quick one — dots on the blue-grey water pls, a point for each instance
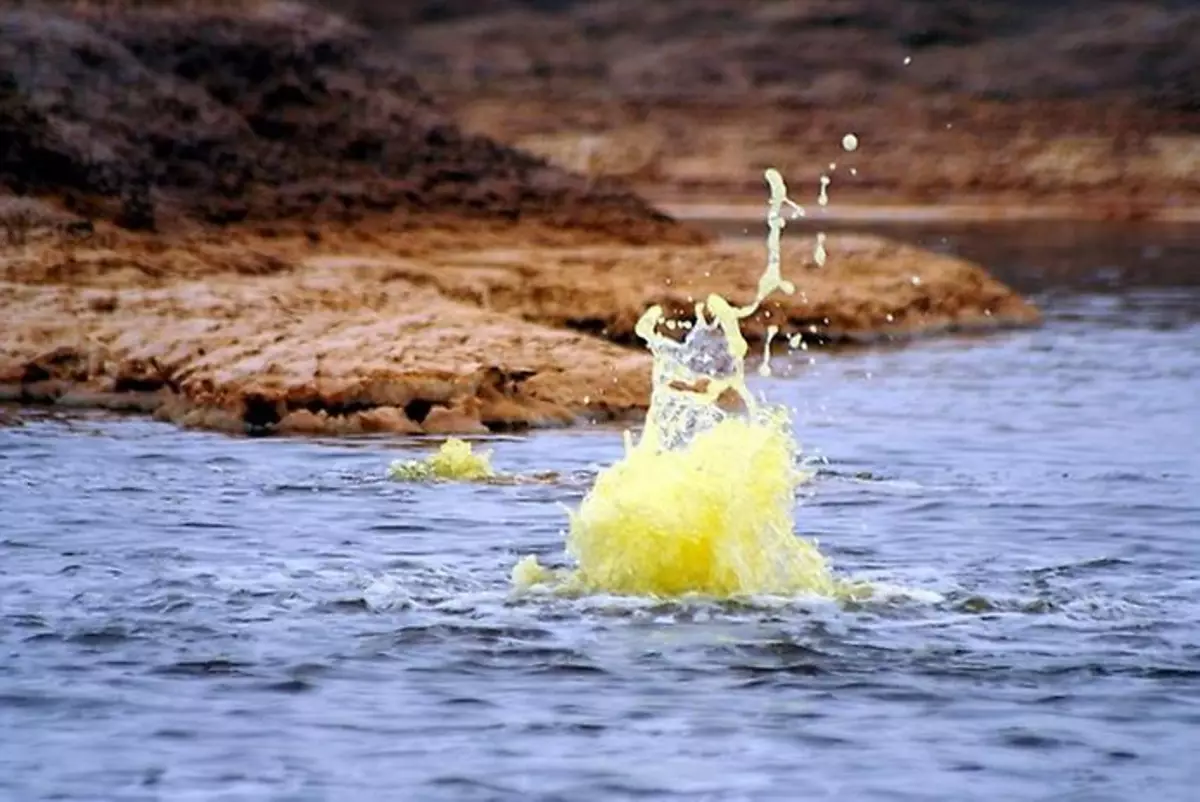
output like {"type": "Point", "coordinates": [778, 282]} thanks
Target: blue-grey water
{"type": "Point", "coordinates": [188, 616]}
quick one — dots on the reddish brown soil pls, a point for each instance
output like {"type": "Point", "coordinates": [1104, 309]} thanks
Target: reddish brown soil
{"type": "Point", "coordinates": [1087, 105]}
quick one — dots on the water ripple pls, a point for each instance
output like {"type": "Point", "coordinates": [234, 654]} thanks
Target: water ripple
{"type": "Point", "coordinates": [183, 615]}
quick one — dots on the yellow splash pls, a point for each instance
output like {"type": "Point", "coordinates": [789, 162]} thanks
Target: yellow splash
{"type": "Point", "coordinates": [454, 460]}
{"type": "Point", "coordinates": [703, 502]}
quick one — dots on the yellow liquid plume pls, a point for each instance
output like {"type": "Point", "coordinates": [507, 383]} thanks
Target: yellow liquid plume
{"type": "Point", "coordinates": [703, 502]}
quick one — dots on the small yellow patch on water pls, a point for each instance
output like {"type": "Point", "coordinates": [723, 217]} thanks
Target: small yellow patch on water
{"type": "Point", "coordinates": [454, 460]}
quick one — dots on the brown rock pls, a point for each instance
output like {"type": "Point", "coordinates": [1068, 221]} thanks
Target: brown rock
{"type": "Point", "coordinates": [302, 421]}
{"type": "Point", "coordinates": [457, 342]}
{"type": "Point", "coordinates": [391, 420]}
{"type": "Point", "coordinates": [463, 418]}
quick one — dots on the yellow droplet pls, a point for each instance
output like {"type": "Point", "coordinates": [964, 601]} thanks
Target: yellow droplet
{"type": "Point", "coordinates": [765, 368]}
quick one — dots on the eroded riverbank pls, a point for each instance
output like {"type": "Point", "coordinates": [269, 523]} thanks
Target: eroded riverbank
{"type": "Point", "coordinates": [277, 336]}
{"type": "Point", "coordinates": [312, 246]}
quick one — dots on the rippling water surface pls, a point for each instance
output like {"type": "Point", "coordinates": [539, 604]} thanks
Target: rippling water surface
{"type": "Point", "coordinates": [189, 616]}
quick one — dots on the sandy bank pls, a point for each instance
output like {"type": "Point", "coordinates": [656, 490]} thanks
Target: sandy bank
{"type": "Point", "coordinates": [276, 335]}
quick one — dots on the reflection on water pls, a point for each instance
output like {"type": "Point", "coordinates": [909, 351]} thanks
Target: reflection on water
{"type": "Point", "coordinates": [190, 616]}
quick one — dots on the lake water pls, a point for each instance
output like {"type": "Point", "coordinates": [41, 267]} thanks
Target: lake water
{"type": "Point", "coordinates": [187, 616]}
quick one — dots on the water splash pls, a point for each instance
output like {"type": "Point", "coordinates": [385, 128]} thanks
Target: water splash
{"type": "Point", "coordinates": [454, 460]}
{"type": "Point", "coordinates": [703, 502]}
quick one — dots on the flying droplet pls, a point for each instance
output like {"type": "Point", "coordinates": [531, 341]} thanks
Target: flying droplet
{"type": "Point", "coordinates": [765, 368]}
{"type": "Point", "coordinates": [849, 143]}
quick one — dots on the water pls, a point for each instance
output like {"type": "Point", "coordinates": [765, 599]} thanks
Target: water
{"type": "Point", "coordinates": [186, 616]}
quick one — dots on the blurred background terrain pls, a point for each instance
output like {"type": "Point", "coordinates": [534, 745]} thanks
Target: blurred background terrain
{"type": "Point", "coordinates": [815, 51]}
{"type": "Point", "coordinates": [1092, 103]}
{"type": "Point", "coordinates": [1091, 106]}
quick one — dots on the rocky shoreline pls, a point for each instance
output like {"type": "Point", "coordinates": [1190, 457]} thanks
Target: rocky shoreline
{"type": "Point", "coordinates": [273, 336]}
{"type": "Point", "coordinates": [254, 221]}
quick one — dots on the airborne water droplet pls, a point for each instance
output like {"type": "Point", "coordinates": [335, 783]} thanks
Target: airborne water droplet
{"type": "Point", "coordinates": [765, 368]}
{"type": "Point", "coordinates": [819, 253]}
